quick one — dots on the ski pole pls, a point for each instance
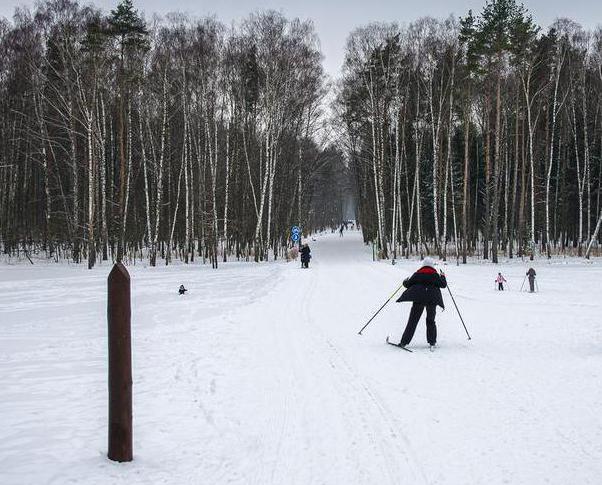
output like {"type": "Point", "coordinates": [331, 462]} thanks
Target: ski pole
{"type": "Point", "coordinates": [384, 304]}
{"type": "Point", "coordinates": [521, 286]}
{"type": "Point", "coordinates": [459, 314]}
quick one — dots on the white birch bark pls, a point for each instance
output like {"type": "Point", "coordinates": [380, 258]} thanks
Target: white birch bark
{"type": "Point", "coordinates": [159, 197]}
{"type": "Point", "coordinates": [128, 176]}
{"type": "Point", "coordinates": [149, 230]}
{"type": "Point", "coordinates": [594, 236]}
{"type": "Point", "coordinates": [558, 68]}
{"type": "Point", "coordinates": [226, 192]}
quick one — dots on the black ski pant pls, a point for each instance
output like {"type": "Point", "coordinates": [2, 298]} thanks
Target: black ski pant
{"type": "Point", "coordinates": [531, 284]}
{"type": "Point", "coordinates": [500, 286]}
{"type": "Point", "coordinates": [415, 314]}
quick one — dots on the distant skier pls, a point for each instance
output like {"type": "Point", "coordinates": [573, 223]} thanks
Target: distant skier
{"type": "Point", "coordinates": [182, 290]}
{"type": "Point", "coordinates": [305, 255]}
{"type": "Point", "coordinates": [500, 280]}
{"type": "Point", "coordinates": [531, 274]}
{"type": "Point", "coordinates": [424, 290]}
{"type": "Point", "coordinates": [341, 230]}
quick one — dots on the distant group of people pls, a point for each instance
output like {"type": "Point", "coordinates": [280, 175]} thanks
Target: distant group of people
{"type": "Point", "coordinates": [345, 227]}
{"type": "Point", "coordinates": [500, 280]}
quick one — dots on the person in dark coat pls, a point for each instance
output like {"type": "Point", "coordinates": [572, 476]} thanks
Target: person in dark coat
{"type": "Point", "coordinates": [182, 290]}
{"type": "Point", "coordinates": [424, 291]}
{"type": "Point", "coordinates": [531, 274]}
{"type": "Point", "coordinates": [305, 255]}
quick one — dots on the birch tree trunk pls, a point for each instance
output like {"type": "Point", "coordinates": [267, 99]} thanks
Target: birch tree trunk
{"type": "Point", "coordinates": [551, 158]}
{"type": "Point", "coordinates": [466, 178]}
{"type": "Point", "coordinates": [91, 191]}
{"type": "Point", "coordinates": [226, 193]}
{"type": "Point", "coordinates": [75, 175]}
{"type": "Point", "coordinates": [594, 236]}
{"type": "Point", "coordinates": [149, 229]}
{"type": "Point", "coordinates": [159, 174]}
{"type": "Point", "coordinates": [127, 177]}
{"type": "Point", "coordinates": [103, 181]}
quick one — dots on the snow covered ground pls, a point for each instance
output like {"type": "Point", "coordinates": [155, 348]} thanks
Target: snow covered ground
{"type": "Point", "coordinates": [258, 376]}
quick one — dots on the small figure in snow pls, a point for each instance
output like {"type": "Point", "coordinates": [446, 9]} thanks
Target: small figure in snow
{"type": "Point", "coordinates": [182, 290]}
{"type": "Point", "coordinates": [424, 291]}
{"type": "Point", "coordinates": [531, 274]}
{"type": "Point", "coordinates": [305, 255]}
{"type": "Point", "coordinates": [500, 280]}
{"type": "Point", "coordinates": [341, 230]}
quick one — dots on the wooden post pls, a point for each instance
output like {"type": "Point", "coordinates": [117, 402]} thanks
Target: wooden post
{"type": "Point", "coordinates": [120, 365]}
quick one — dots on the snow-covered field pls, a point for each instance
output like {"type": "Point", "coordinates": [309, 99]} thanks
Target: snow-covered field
{"type": "Point", "coordinates": [258, 376]}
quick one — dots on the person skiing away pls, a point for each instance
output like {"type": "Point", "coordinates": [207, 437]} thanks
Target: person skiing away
{"type": "Point", "coordinates": [531, 274]}
{"type": "Point", "coordinates": [305, 255]}
{"type": "Point", "coordinates": [182, 290]}
{"type": "Point", "coordinates": [424, 291]}
{"type": "Point", "coordinates": [500, 280]}
{"type": "Point", "coordinates": [341, 230]}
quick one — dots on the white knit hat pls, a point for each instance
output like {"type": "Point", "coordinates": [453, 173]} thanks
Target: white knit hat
{"type": "Point", "coordinates": [428, 262]}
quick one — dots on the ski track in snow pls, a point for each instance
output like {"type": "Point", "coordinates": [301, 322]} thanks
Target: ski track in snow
{"type": "Point", "coordinates": [258, 376]}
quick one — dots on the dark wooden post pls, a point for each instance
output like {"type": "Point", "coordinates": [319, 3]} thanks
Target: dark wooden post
{"type": "Point", "coordinates": [120, 365]}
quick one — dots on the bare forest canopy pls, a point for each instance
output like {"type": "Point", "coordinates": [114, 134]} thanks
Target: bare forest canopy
{"type": "Point", "coordinates": [123, 138]}
{"type": "Point", "coordinates": [479, 135]}
{"type": "Point", "coordinates": [179, 138]}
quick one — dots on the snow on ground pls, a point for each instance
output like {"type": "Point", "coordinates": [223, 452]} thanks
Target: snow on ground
{"type": "Point", "coordinates": [258, 376]}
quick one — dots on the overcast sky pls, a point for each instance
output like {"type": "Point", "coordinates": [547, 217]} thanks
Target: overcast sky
{"type": "Point", "coordinates": [334, 19]}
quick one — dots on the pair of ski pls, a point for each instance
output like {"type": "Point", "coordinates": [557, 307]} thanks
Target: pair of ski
{"type": "Point", "coordinates": [405, 348]}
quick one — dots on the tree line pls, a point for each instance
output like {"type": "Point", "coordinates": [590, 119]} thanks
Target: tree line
{"type": "Point", "coordinates": [475, 136]}
{"type": "Point", "coordinates": [123, 138]}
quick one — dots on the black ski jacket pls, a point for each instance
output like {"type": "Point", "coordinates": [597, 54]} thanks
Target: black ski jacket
{"type": "Point", "coordinates": [305, 256]}
{"type": "Point", "coordinates": [424, 287]}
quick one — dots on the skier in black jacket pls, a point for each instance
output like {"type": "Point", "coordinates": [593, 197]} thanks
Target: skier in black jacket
{"type": "Point", "coordinates": [424, 290]}
{"type": "Point", "coordinates": [531, 274]}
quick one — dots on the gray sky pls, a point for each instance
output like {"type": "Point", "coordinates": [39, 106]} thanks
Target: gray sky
{"type": "Point", "coordinates": [334, 19]}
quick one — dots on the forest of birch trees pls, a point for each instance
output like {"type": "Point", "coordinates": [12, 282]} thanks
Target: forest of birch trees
{"type": "Point", "coordinates": [479, 135]}
{"type": "Point", "coordinates": [125, 138]}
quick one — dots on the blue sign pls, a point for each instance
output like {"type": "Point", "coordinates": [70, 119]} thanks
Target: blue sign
{"type": "Point", "coordinates": [295, 230]}
{"type": "Point", "coordinates": [295, 237]}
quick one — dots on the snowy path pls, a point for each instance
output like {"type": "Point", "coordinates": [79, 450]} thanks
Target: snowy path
{"type": "Point", "coordinates": [258, 376]}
